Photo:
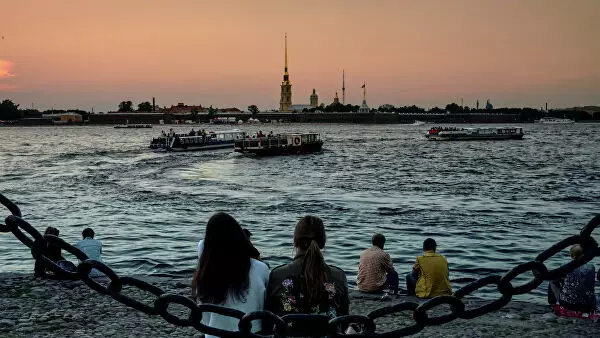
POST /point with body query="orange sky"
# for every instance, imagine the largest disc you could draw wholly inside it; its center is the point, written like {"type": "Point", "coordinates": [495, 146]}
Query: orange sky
{"type": "Point", "coordinates": [84, 54]}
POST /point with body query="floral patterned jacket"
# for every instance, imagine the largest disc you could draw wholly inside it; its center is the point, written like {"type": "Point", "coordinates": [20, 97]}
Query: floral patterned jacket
{"type": "Point", "coordinates": [285, 293]}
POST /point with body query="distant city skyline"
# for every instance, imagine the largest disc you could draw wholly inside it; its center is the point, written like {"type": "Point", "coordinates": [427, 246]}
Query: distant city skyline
{"type": "Point", "coordinates": [85, 55]}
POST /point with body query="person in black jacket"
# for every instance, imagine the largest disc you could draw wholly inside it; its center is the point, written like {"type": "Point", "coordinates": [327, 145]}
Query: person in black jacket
{"type": "Point", "coordinates": [308, 285]}
{"type": "Point", "coordinates": [52, 252]}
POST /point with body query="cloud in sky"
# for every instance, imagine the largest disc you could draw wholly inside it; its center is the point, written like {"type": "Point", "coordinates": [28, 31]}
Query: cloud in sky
{"type": "Point", "coordinates": [6, 68]}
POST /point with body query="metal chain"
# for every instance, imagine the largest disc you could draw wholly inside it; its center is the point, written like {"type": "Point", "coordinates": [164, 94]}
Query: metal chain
{"type": "Point", "coordinates": [332, 327]}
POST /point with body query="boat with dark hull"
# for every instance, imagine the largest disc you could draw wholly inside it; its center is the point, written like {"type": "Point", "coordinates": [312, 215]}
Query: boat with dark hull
{"type": "Point", "coordinates": [280, 144]}
{"type": "Point", "coordinates": [467, 134]}
{"type": "Point", "coordinates": [195, 142]}
{"type": "Point", "coordinates": [135, 126]}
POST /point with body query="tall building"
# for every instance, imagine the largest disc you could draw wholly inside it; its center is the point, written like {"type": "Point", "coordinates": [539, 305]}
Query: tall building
{"type": "Point", "coordinates": [286, 87]}
{"type": "Point", "coordinates": [364, 108]}
{"type": "Point", "coordinates": [314, 99]}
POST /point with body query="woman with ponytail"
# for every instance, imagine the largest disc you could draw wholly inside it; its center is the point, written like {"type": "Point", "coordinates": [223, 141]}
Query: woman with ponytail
{"type": "Point", "coordinates": [308, 285]}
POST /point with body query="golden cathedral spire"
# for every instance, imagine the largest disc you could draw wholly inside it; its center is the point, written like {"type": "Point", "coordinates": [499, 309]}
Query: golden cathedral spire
{"type": "Point", "coordinates": [285, 102]}
{"type": "Point", "coordinates": [286, 71]}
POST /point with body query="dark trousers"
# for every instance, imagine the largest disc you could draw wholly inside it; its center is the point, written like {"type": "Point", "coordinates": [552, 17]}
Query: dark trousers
{"type": "Point", "coordinates": [392, 281]}
{"type": "Point", "coordinates": [553, 292]}
{"type": "Point", "coordinates": [411, 283]}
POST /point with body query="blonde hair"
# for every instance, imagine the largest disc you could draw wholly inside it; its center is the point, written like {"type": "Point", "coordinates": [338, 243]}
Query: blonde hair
{"type": "Point", "coordinates": [576, 251]}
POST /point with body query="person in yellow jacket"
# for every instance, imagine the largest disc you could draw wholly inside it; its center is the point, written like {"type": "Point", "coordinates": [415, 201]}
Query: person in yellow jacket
{"type": "Point", "coordinates": [430, 274]}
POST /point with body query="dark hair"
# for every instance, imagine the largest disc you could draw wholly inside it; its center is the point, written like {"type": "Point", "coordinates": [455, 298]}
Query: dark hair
{"type": "Point", "coordinates": [429, 244]}
{"type": "Point", "coordinates": [247, 233]}
{"type": "Point", "coordinates": [309, 237]}
{"type": "Point", "coordinates": [51, 231]}
{"type": "Point", "coordinates": [87, 232]}
{"type": "Point", "coordinates": [224, 266]}
{"type": "Point", "coordinates": [378, 240]}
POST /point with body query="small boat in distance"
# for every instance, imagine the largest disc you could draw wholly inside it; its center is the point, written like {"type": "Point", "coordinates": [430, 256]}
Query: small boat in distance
{"type": "Point", "coordinates": [417, 123]}
{"type": "Point", "coordinates": [554, 120]}
{"type": "Point", "coordinates": [464, 134]}
{"type": "Point", "coordinates": [132, 125]}
{"type": "Point", "coordinates": [197, 141]}
{"type": "Point", "coordinates": [280, 144]}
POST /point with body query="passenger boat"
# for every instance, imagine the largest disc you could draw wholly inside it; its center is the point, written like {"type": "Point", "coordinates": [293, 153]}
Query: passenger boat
{"type": "Point", "coordinates": [280, 144]}
{"type": "Point", "coordinates": [120, 126]}
{"type": "Point", "coordinates": [463, 134]}
{"type": "Point", "coordinates": [186, 142]}
{"type": "Point", "coordinates": [554, 120]}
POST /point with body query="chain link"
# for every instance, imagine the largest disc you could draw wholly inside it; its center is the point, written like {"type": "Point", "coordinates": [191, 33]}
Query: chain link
{"type": "Point", "coordinates": [325, 326]}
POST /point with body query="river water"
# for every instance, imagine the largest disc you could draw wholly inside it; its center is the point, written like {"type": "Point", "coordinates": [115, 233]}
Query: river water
{"type": "Point", "coordinates": [489, 204]}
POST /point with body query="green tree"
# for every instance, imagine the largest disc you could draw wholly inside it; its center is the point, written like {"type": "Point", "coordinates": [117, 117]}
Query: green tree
{"type": "Point", "coordinates": [453, 108]}
{"type": "Point", "coordinates": [9, 110]}
{"type": "Point", "coordinates": [126, 106]}
{"type": "Point", "coordinates": [211, 113]}
{"type": "Point", "coordinates": [144, 106]}
{"type": "Point", "coordinates": [194, 114]}
{"type": "Point", "coordinates": [253, 109]}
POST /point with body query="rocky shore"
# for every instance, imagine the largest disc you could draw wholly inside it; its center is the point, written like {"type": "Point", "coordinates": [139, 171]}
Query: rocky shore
{"type": "Point", "coordinates": [32, 307]}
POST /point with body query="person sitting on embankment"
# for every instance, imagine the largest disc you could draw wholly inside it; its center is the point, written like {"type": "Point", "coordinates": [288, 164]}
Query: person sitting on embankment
{"type": "Point", "coordinates": [308, 285]}
{"type": "Point", "coordinates": [52, 252]}
{"type": "Point", "coordinates": [430, 274]}
{"type": "Point", "coordinates": [575, 292]}
{"type": "Point", "coordinates": [375, 268]}
{"type": "Point", "coordinates": [92, 248]}
{"type": "Point", "coordinates": [227, 275]}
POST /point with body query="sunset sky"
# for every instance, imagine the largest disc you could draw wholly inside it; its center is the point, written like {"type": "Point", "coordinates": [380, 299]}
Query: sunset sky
{"type": "Point", "coordinates": [94, 54]}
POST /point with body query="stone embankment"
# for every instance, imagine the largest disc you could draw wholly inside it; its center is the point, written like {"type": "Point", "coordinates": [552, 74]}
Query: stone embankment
{"type": "Point", "coordinates": [32, 307]}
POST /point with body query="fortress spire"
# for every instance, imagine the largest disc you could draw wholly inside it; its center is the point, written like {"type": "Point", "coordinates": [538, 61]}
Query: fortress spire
{"type": "Point", "coordinates": [286, 71]}
{"type": "Point", "coordinates": [285, 102]}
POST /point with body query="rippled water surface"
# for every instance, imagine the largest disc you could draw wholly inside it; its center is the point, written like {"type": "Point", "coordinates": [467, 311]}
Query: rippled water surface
{"type": "Point", "coordinates": [489, 204]}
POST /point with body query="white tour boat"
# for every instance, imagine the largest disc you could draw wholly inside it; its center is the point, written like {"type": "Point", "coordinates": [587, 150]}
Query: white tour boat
{"type": "Point", "coordinates": [197, 141]}
{"type": "Point", "coordinates": [554, 120]}
{"type": "Point", "coordinates": [464, 134]}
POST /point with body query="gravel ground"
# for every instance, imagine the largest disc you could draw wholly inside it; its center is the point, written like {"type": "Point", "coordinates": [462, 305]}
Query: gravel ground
{"type": "Point", "coordinates": [32, 307]}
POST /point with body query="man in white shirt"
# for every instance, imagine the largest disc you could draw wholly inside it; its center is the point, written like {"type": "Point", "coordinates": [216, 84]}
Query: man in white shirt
{"type": "Point", "coordinates": [92, 248]}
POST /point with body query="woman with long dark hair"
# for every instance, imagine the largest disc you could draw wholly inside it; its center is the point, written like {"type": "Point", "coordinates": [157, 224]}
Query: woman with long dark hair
{"type": "Point", "coordinates": [52, 252]}
{"type": "Point", "coordinates": [308, 284]}
{"type": "Point", "coordinates": [226, 274]}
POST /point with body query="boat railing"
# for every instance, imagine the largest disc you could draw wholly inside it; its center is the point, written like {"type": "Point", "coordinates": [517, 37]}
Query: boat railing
{"type": "Point", "coordinates": [263, 142]}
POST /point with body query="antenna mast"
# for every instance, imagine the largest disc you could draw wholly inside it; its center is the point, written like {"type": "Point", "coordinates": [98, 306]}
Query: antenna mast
{"type": "Point", "coordinates": [343, 87]}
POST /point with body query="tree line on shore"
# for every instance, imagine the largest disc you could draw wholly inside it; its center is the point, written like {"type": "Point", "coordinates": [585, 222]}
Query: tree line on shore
{"type": "Point", "coordinates": [11, 111]}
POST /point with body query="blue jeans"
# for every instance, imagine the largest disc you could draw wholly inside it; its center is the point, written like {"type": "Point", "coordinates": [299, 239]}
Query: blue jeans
{"type": "Point", "coordinates": [411, 283]}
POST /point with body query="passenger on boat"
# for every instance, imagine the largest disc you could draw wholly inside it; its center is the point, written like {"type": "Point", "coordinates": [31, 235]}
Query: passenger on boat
{"type": "Point", "coordinates": [163, 134]}
{"type": "Point", "coordinates": [226, 275]}
{"type": "Point", "coordinates": [192, 133]}
{"type": "Point", "coordinates": [430, 275]}
{"type": "Point", "coordinates": [308, 285]}
{"type": "Point", "coordinates": [203, 135]}
{"type": "Point", "coordinates": [575, 291]}
{"type": "Point", "coordinates": [375, 268]}
{"type": "Point", "coordinates": [52, 252]}
{"type": "Point", "coordinates": [171, 132]}
{"type": "Point", "coordinates": [260, 134]}
{"type": "Point", "coordinates": [91, 247]}
{"type": "Point", "coordinates": [271, 133]}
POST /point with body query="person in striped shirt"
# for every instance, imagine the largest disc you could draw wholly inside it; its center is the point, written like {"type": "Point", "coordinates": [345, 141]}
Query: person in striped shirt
{"type": "Point", "coordinates": [375, 269]}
